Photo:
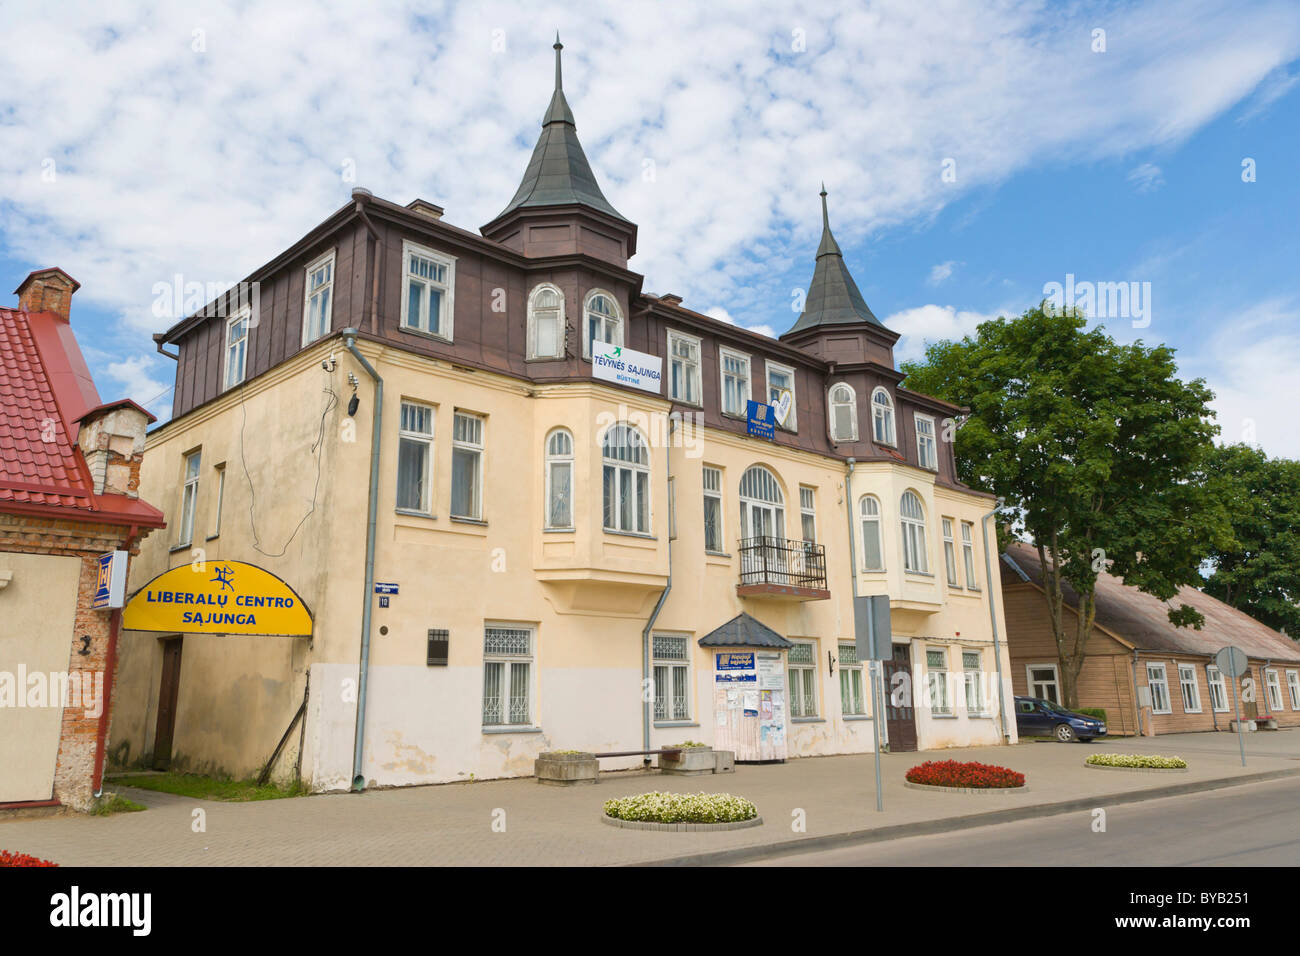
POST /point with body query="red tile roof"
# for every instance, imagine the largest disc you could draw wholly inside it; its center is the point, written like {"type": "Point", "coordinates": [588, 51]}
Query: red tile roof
{"type": "Point", "coordinates": [1143, 619]}
{"type": "Point", "coordinates": [45, 387]}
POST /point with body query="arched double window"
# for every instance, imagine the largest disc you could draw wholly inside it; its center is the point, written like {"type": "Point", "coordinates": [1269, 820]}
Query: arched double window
{"type": "Point", "coordinates": [873, 555]}
{"type": "Point", "coordinates": [559, 479]}
{"type": "Point", "coordinates": [546, 322]}
{"type": "Point", "coordinates": [912, 518]}
{"type": "Point", "coordinates": [626, 480]}
{"type": "Point", "coordinates": [882, 416]}
{"type": "Point", "coordinates": [844, 413]}
{"type": "Point", "coordinates": [603, 321]}
{"type": "Point", "coordinates": [762, 506]}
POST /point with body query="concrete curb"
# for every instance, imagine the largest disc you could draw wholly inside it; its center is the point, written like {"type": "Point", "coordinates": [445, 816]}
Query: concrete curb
{"type": "Point", "coordinates": [1102, 766]}
{"type": "Point", "coordinates": [1023, 788]}
{"type": "Point", "coordinates": [681, 827]}
{"type": "Point", "coordinates": [834, 841]}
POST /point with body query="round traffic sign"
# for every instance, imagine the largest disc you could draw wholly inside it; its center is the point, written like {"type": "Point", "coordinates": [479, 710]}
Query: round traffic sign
{"type": "Point", "coordinates": [1231, 661]}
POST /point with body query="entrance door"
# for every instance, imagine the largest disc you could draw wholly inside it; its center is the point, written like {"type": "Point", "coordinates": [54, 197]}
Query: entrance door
{"type": "Point", "coordinates": [168, 689]}
{"type": "Point", "coordinates": [900, 721]}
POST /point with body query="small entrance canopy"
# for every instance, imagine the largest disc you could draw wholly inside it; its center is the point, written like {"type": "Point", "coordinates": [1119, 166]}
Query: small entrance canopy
{"type": "Point", "coordinates": [218, 597]}
{"type": "Point", "coordinates": [745, 631]}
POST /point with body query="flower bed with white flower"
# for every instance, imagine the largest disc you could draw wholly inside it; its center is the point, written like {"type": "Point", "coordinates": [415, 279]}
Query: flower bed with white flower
{"type": "Point", "coordinates": [659, 807]}
{"type": "Point", "coordinates": [1137, 761]}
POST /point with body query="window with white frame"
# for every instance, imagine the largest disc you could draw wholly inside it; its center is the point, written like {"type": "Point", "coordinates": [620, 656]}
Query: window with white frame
{"type": "Point", "coordinates": [559, 479]}
{"type": "Point", "coordinates": [189, 497]}
{"type": "Point", "coordinates": [882, 417]}
{"type": "Point", "coordinates": [1158, 682]}
{"type": "Point", "coordinates": [968, 554]}
{"type": "Point", "coordinates": [546, 322]}
{"type": "Point", "coordinates": [936, 679]}
{"type": "Point", "coordinates": [780, 380]}
{"type": "Point", "coordinates": [671, 677]}
{"type": "Point", "coordinates": [1044, 682]}
{"type": "Point", "coordinates": [1293, 687]}
{"type": "Point", "coordinates": [808, 513]}
{"type": "Point", "coordinates": [844, 413]}
{"type": "Point", "coordinates": [467, 466]}
{"type": "Point", "coordinates": [949, 553]}
{"type": "Point", "coordinates": [762, 505]}
{"type": "Point", "coordinates": [626, 480]}
{"type": "Point", "coordinates": [735, 382]}
{"type": "Point", "coordinates": [603, 321]}
{"type": "Point", "coordinates": [972, 671]}
{"type": "Point", "coordinates": [428, 284]}
{"type": "Point", "coordinates": [713, 509]}
{"type": "Point", "coordinates": [1274, 682]}
{"type": "Point", "coordinates": [801, 661]}
{"type": "Point", "coordinates": [319, 303]}
{"type": "Point", "coordinates": [851, 700]}
{"type": "Point", "coordinates": [1218, 690]}
{"type": "Point", "coordinates": [873, 555]}
{"type": "Point", "coordinates": [236, 354]}
{"type": "Point", "coordinates": [927, 453]}
{"type": "Point", "coordinates": [507, 676]}
{"type": "Point", "coordinates": [1190, 688]}
{"type": "Point", "coordinates": [684, 369]}
{"type": "Point", "coordinates": [415, 458]}
{"type": "Point", "coordinates": [912, 521]}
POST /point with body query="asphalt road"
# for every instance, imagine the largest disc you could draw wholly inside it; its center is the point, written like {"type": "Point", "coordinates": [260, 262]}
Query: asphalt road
{"type": "Point", "coordinates": [1253, 825]}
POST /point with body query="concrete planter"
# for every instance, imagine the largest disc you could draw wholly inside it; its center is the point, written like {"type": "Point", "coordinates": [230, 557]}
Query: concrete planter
{"type": "Point", "coordinates": [1102, 766]}
{"type": "Point", "coordinates": [566, 770]}
{"type": "Point", "coordinates": [1246, 725]}
{"type": "Point", "coordinates": [680, 827]}
{"type": "Point", "coordinates": [979, 790]}
{"type": "Point", "coordinates": [691, 762]}
{"type": "Point", "coordinates": [724, 761]}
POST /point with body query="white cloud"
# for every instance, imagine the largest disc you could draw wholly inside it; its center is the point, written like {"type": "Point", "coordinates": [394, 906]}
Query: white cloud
{"type": "Point", "coordinates": [941, 273]}
{"type": "Point", "coordinates": [135, 376]}
{"type": "Point", "coordinates": [1147, 177]}
{"type": "Point", "coordinates": [931, 323]}
{"type": "Point", "coordinates": [211, 163]}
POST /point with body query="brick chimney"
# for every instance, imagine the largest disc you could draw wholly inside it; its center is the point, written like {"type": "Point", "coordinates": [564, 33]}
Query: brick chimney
{"type": "Point", "coordinates": [111, 438]}
{"type": "Point", "coordinates": [47, 290]}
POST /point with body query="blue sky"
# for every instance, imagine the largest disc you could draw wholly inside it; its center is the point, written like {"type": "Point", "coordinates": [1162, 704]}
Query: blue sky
{"type": "Point", "coordinates": [204, 140]}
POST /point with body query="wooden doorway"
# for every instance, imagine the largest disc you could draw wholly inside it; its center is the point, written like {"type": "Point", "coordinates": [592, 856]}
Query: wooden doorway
{"type": "Point", "coordinates": [168, 690]}
{"type": "Point", "coordinates": [900, 721]}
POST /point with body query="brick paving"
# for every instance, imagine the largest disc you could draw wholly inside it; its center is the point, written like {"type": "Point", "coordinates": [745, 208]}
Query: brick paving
{"type": "Point", "coordinates": [453, 824]}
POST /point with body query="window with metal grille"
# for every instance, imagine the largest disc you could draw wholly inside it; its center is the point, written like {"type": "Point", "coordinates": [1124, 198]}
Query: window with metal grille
{"type": "Point", "coordinates": [974, 677]}
{"type": "Point", "coordinates": [507, 676]}
{"type": "Point", "coordinates": [671, 677]}
{"type": "Point", "coordinates": [713, 509]}
{"type": "Point", "coordinates": [801, 661]}
{"type": "Point", "coordinates": [936, 676]}
{"type": "Point", "coordinates": [851, 701]}
{"type": "Point", "coordinates": [439, 641]}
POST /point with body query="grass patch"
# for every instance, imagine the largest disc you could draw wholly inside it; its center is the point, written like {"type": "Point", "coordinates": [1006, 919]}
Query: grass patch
{"type": "Point", "coordinates": [112, 803]}
{"type": "Point", "coordinates": [661, 807]}
{"type": "Point", "coordinates": [210, 788]}
{"type": "Point", "coordinates": [1138, 761]}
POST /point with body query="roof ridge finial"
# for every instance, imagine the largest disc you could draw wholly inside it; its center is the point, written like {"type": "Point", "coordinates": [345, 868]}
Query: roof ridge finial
{"type": "Point", "coordinates": [559, 85]}
{"type": "Point", "coordinates": [826, 219]}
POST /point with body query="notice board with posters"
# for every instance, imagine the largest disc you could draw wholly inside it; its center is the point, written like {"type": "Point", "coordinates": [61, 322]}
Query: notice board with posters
{"type": "Point", "coordinates": [749, 704]}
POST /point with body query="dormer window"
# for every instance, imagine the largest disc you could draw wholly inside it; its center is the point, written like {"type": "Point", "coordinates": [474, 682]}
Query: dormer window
{"type": "Point", "coordinates": [780, 395]}
{"type": "Point", "coordinates": [236, 355]}
{"type": "Point", "coordinates": [844, 413]}
{"type": "Point", "coordinates": [926, 451]}
{"type": "Point", "coordinates": [735, 382]}
{"type": "Point", "coordinates": [604, 322]}
{"type": "Point", "coordinates": [320, 298]}
{"type": "Point", "coordinates": [428, 284]}
{"type": "Point", "coordinates": [546, 322]}
{"type": "Point", "coordinates": [882, 414]}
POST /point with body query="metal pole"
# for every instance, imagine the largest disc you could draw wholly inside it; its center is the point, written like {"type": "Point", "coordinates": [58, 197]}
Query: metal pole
{"type": "Point", "coordinates": [1236, 709]}
{"type": "Point", "coordinates": [873, 666]}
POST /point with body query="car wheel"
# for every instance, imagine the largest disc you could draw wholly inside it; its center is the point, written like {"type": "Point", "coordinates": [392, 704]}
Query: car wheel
{"type": "Point", "coordinates": [1065, 733]}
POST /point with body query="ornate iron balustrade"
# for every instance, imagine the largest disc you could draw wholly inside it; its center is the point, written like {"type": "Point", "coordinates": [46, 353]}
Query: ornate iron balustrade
{"type": "Point", "coordinates": [768, 560]}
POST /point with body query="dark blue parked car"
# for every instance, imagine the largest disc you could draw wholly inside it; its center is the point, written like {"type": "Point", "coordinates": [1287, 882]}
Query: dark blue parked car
{"type": "Point", "coordinates": [1036, 717]}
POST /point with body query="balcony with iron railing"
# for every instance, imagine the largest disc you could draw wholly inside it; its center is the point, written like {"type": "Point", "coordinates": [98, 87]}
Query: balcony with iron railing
{"type": "Point", "coordinates": [782, 569]}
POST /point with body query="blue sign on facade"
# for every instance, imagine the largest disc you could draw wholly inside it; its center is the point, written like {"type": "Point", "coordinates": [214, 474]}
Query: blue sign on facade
{"type": "Point", "coordinates": [761, 420]}
{"type": "Point", "coordinates": [385, 588]}
{"type": "Point", "coordinates": [733, 661]}
{"type": "Point", "coordinates": [110, 583]}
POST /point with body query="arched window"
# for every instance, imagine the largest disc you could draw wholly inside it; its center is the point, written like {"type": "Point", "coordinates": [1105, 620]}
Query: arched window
{"type": "Point", "coordinates": [626, 480]}
{"type": "Point", "coordinates": [912, 517]}
{"type": "Point", "coordinates": [546, 322]}
{"type": "Point", "coordinates": [844, 413]}
{"type": "Point", "coordinates": [882, 409]}
{"type": "Point", "coordinates": [559, 479]}
{"type": "Point", "coordinates": [873, 555]}
{"type": "Point", "coordinates": [762, 506]}
{"type": "Point", "coordinates": [603, 322]}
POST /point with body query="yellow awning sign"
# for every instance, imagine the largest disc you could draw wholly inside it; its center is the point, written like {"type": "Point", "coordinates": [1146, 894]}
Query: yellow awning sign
{"type": "Point", "coordinates": [225, 597]}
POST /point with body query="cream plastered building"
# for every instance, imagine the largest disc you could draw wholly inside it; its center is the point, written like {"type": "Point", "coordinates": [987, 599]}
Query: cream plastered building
{"type": "Point", "coordinates": [557, 558]}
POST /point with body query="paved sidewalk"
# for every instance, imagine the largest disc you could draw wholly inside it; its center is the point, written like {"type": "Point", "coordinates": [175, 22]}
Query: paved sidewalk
{"type": "Point", "coordinates": [453, 824]}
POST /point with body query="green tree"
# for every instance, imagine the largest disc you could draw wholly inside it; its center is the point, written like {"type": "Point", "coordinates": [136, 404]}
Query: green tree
{"type": "Point", "coordinates": [1260, 571]}
{"type": "Point", "coordinates": [1097, 448]}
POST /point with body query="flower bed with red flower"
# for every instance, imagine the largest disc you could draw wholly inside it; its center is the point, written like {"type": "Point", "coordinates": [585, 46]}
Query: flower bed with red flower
{"type": "Point", "coordinates": [954, 773]}
{"type": "Point", "coordinates": [22, 859]}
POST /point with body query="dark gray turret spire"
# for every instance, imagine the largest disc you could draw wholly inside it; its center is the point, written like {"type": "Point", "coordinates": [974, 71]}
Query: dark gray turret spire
{"type": "Point", "coordinates": [833, 296]}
